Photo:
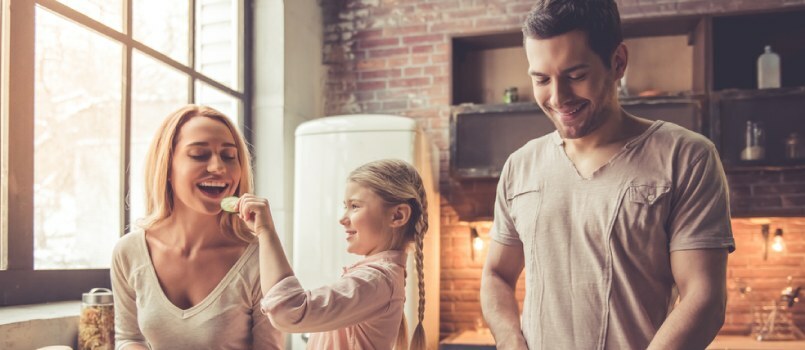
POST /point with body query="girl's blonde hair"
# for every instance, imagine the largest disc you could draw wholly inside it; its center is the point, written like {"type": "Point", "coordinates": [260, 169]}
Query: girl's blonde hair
{"type": "Point", "coordinates": [398, 182]}
{"type": "Point", "coordinates": [159, 194]}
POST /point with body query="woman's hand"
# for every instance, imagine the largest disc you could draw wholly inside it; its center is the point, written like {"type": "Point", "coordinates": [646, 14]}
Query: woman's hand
{"type": "Point", "coordinates": [256, 212]}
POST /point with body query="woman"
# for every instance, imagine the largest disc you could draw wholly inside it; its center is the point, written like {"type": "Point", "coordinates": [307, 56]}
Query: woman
{"type": "Point", "coordinates": [188, 276]}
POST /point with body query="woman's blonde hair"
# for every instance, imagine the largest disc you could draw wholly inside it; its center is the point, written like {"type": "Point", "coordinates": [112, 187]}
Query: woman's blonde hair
{"type": "Point", "coordinates": [398, 182]}
{"type": "Point", "coordinates": [158, 193]}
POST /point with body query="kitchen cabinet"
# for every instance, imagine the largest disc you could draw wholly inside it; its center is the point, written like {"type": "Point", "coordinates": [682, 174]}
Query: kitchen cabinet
{"type": "Point", "coordinates": [698, 71]}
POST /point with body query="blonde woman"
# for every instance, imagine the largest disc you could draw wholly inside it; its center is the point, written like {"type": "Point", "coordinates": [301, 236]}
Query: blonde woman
{"type": "Point", "coordinates": [188, 277]}
{"type": "Point", "coordinates": [385, 210]}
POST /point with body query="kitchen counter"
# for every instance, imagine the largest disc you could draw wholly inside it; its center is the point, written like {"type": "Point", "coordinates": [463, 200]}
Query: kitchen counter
{"type": "Point", "coordinates": [483, 340]}
{"type": "Point", "coordinates": [738, 342]}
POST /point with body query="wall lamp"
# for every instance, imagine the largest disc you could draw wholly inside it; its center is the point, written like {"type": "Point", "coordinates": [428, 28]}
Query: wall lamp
{"type": "Point", "coordinates": [777, 244]}
{"type": "Point", "coordinates": [476, 242]}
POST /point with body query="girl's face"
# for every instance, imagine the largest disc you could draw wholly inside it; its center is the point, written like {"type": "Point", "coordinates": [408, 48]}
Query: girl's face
{"type": "Point", "coordinates": [367, 220]}
{"type": "Point", "coordinates": [205, 166]}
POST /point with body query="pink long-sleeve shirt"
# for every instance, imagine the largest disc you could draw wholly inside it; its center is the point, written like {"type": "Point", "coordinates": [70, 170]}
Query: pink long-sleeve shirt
{"type": "Point", "coordinates": [362, 310]}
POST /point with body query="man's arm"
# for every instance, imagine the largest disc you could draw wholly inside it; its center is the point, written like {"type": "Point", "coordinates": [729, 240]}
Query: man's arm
{"type": "Point", "coordinates": [498, 304]}
{"type": "Point", "coordinates": [701, 278]}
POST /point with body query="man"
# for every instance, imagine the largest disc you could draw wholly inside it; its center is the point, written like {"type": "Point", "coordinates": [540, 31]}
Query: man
{"type": "Point", "coordinates": [612, 216]}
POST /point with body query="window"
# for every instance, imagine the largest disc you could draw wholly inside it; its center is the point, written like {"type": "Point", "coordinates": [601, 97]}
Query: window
{"type": "Point", "coordinates": [3, 148]}
{"type": "Point", "coordinates": [92, 80]}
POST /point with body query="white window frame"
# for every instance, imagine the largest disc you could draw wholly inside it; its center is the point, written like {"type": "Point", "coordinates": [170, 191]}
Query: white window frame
{"type": "Point", "coordinates": [20, 283]}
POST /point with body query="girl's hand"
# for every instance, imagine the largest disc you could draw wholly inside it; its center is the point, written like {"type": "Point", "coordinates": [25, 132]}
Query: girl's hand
{"type": "Point", "coordinates": [256, 212]}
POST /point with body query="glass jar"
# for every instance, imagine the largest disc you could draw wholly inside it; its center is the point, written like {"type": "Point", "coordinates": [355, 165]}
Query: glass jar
{"type": "Point", "coordinates": [96, 326]}
{"type": "Point", "coordinates": [755, 141]}
{"type": "Point", "coordinates": [794, 147]}
{"type": "Point", "coordinates": [511, 95]}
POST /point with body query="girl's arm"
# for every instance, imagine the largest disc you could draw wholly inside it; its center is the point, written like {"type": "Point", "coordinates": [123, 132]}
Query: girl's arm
{"type": "Point", "coordinates": [274, 265]}
{"type": "Point", "coordinates": [359, 295]}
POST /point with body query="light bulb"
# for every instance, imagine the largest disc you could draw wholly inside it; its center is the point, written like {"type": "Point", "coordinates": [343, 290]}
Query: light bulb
{"type": "Point", "coordinates": [778, 244]}
{"type": "Point", "coordinates": [477, 243]}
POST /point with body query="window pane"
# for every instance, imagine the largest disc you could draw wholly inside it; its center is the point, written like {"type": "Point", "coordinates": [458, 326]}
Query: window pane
{"type": "Point", "coordinates": [157, 90]}
{"type": "Point", "coordinates": [163, 25]}
{"type": "Point", "coordinates": [224, 103]}
{"type": "Point", "coordinates": [218, 34]}
{"type": "Point", "coordinates": [77, 201]}
{"type": "Point", "coordinates": [108, 12]}
{"type": "Point", "coordinates": [3, 167]}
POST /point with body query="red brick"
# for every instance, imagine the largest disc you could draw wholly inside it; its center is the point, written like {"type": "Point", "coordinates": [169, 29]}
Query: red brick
{"type": "Point", "coordinates": [794, 200]}
{"type": "Point", "coordinates": [471, 13]}
{"type": "Point", "coordinates": [410, 82]}
{"type": "Point", "coordinates": [371, 64]}
{"type": "Point", "coordinates": [380, 42]}
{"type": "Point", "coordinates": [420, 39]}
{"type": "Point", "coordinates": [777, 189]}
{"type": "Point", "coordinates": [422, 49]}
{"type": "Point", "coordinates": [413, 71]}
{"type": "Point", "coordinates": [439, 58]}
{"type": "Point", "coordinates": [392, 105]}
{"type": "Point", "coordinates": [499, 23]}
{"type": "Point", "coordinates": [405, 30]}
{"type": "Point", "coordinates": [371, 85]}
{"type": "Point", "coordinates": [367, 34]}
{"type": "Point", "coordinates": [397, 51]}
{"type": "Point", "coordinates": [460, 26]}
{"type": "Point", "coordinates": [753, 177]}
{"type": "Point", "coordinates": [520, 9]}
{"type": "Point", "coordinates": [380, 74]}
{"type": "Point", "coordinates": [398, 61]}
{"type": "Point", "coordinates": [420, 59]}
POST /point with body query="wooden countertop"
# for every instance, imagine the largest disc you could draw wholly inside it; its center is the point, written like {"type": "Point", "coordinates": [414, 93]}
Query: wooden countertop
{"type": "Point", "coordinates": [738, 342]}
{"type": "Point", "coordinates": [483, 340]}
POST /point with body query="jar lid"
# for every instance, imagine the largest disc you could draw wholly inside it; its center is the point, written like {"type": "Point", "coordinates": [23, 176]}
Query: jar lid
{"type": "Point", "coordinates": [98, 296]}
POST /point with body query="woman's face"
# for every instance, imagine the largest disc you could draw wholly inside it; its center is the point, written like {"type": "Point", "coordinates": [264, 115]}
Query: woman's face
{"type": "Point", "coordinates": [367, 221]}
{"type": "Point", "coordinates": [205, 166]}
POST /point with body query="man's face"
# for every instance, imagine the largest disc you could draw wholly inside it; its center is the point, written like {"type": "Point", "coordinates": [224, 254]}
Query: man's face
{"type": "Point", "coordinates": [571, 84]}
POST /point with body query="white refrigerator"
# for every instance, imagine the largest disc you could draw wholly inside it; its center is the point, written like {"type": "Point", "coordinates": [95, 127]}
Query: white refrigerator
{"type": "Point", "coordinates": [327, 150]}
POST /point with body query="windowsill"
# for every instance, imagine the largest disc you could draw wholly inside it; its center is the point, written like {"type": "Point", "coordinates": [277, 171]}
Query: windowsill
{"type": "Point", "coordinates": [34, 326]}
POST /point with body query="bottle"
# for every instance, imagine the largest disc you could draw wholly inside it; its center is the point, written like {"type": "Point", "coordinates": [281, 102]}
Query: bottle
{"type": "Point", "coordinates": [755, 141]}
{"type": "Point", "coordinates": [96, 325]}
{"type": "Point", "coordinates": [510, 95]}
{"type": "Point", "coordinates": [768, 70]}
{"type": "Point", "coordinates": [794, 147]}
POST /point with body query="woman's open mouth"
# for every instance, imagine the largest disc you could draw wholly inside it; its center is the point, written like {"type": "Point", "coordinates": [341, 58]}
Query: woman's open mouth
{"type": "Point", "coordinates": [213, 188]}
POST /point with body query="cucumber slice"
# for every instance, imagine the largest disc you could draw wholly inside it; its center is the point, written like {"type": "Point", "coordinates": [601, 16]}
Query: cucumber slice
{"type": "Point", "coordinates": [228, 204]}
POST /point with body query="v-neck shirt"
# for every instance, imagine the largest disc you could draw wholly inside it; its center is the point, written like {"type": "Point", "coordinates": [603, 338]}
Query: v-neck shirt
{"type": "Point", "coordinates": [227, 318]}
{"type": "Point", "coordinates": [597, 250]}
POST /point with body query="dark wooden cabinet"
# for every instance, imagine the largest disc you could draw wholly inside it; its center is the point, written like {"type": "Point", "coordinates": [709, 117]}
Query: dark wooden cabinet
{"type": "Point", "coordinates": [699, 71]}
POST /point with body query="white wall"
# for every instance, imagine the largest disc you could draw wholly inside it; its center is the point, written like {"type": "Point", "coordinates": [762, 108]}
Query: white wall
{"type": "Point", "coordinates": [288, 90]}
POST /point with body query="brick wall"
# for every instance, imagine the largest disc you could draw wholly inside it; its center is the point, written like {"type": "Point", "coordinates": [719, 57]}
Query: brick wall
{"type": "Point", "coordinates": [461, 273]}
{"type": "Point", "coordinates": [392, 56]}
{"type": "Point", "coordinates": [766, 277]}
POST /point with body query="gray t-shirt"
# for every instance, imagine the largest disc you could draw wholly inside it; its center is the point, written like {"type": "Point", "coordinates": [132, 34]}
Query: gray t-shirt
{"type": "Point", "coordinates": [597, 250]}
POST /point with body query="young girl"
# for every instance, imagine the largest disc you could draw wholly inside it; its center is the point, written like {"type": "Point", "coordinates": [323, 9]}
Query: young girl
{"type": "Point", "coordinates": [386, 209]}
{"type": "Point", "coordinates": [187, 277]}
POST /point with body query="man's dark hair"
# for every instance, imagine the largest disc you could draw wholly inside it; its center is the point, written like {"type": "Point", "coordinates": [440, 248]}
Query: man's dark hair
{"type": "Point", "coordinates": [599, 19]}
